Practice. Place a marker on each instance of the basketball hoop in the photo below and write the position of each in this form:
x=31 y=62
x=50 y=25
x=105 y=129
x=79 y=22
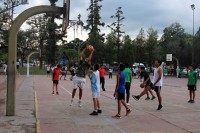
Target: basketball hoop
x=66 y=10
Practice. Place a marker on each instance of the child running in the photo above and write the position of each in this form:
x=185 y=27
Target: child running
x=147 y=83
x=95 y=87
x=120 y=92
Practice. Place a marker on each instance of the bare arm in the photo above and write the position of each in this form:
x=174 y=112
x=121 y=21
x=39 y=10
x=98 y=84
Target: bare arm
x=81 y=54
x=117 y=85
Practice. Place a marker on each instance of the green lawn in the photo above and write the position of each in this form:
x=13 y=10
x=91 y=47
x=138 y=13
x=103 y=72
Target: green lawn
x=32 y=71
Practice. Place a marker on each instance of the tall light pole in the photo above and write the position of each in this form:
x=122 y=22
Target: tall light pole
x=193 y=8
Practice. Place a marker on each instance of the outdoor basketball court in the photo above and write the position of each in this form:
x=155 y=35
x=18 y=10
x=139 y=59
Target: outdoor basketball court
x=55 y=115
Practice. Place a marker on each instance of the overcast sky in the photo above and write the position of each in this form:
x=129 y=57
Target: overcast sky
x=138 y=14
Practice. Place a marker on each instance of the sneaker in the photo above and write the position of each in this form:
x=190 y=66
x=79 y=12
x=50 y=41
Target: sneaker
x=71 y=102
x=189 y=101
x=53 y=92
x=136 y=97
x=94 y=113
x=79 y=103
x=116 y=116
x=128 y=111
x=99 y=111
x=153 y=97
x=128 y=104
x=147 y=98
x=57 y=93
x=159 y=107
x=192 y=101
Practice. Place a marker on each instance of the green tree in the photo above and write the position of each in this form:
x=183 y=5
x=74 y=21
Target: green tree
x=151 y=43
x=110 y=48
x=140 y=42
x=116 y=28
x=93 y=26
x=128 y=50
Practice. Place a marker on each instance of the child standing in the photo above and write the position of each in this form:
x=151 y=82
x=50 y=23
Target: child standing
x=192 y=81
x=55 y=78
x=95 y=87
x=120 y=92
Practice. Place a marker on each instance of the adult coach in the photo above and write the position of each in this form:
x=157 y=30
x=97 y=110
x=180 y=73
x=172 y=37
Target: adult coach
x=158 y=81
x=79 y=79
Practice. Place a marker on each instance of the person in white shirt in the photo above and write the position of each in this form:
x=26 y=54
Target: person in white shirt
x=110 y=73
x=158 y=81
x=5 y=68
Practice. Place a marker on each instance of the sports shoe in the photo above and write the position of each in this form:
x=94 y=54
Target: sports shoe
x=52 y=92
x=147 y=98
x=192 y=101
x=153 y=97
x=128 y=111
x=189 y=101
x=71 y=102
x=136 y=97
x=128 y=104
x=159 y=107
x=116 y=116
x=94 y=113
x=57 y=93
x=79 y=103
x=99 y=111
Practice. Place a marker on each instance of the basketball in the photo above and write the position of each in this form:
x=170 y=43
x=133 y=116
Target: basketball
x=90 y=48
x=141 y=85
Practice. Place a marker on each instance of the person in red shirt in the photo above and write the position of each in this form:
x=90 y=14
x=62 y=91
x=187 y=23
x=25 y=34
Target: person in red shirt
x=102 y=73
x=55 y=78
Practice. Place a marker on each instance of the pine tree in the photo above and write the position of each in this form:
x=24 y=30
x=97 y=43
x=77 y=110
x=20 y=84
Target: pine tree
x=93 y=26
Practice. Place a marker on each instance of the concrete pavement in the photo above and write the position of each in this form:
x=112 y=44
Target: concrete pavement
x=24 y=119
x=55 y=115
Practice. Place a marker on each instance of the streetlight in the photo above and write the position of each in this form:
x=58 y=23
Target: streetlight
x=193 y=7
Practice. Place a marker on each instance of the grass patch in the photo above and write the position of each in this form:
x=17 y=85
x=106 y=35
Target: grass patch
x=32 y=71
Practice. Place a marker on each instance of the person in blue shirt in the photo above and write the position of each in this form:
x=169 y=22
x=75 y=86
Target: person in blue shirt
x=95 y=88
x=119 y=93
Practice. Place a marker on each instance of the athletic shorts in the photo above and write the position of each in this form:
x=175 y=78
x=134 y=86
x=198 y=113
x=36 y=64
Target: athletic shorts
x=120 y=96
x=191 y=88
x=55 y=81
x=157 y=89
x=48 y=72
x=95 y=94
x=150 y=85
x=79 y=82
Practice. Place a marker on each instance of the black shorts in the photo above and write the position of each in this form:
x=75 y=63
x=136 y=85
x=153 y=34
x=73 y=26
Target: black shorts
x=191 y=88
x=48 y=72
x=55 y=81
x=150 y=85
x=157 y=89
x=134 y=74
x=120 y=96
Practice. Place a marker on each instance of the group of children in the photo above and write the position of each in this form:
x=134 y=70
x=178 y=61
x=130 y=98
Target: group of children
x=122 y=85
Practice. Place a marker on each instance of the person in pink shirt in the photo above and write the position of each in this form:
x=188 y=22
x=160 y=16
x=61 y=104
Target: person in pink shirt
x=102 y=73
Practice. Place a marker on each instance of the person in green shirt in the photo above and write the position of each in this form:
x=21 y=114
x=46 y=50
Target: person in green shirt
x=165 y=70
x=128 y=79
x=192 y=81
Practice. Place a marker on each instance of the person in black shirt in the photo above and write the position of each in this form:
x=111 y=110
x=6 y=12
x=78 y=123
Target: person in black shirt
x=147 y=85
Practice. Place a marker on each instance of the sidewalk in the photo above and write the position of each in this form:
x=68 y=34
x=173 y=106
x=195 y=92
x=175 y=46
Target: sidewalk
x=24 y=120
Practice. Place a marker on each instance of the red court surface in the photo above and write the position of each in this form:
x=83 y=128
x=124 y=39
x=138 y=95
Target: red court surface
x=55 y=115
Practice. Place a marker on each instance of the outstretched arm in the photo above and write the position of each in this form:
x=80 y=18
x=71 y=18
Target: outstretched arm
x=81 y=54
